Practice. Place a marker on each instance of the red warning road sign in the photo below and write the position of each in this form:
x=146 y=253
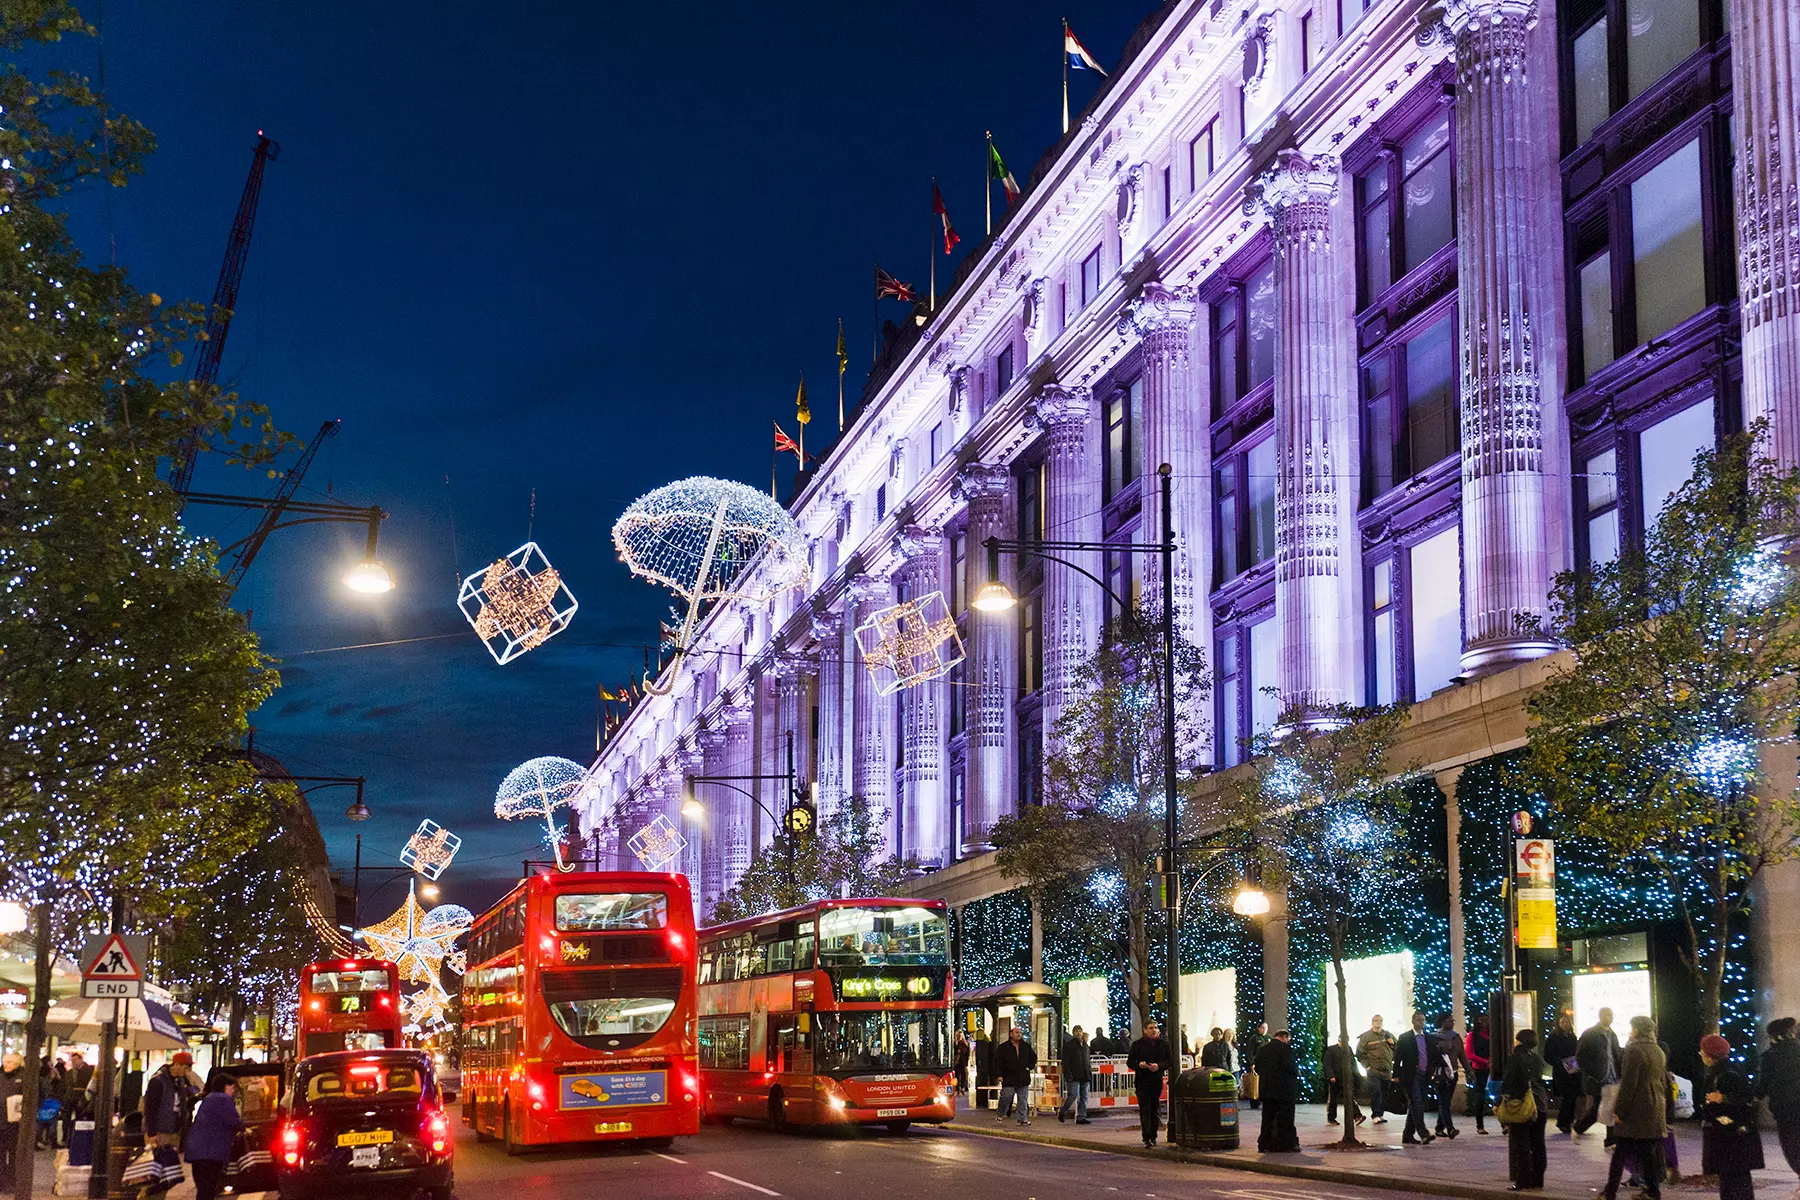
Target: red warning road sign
x=114 y=962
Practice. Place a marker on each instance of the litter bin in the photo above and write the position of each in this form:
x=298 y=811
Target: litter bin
x=81 y=1144
x=1209 y=1116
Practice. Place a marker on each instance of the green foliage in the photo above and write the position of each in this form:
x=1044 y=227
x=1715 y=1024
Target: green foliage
x=846 y=855
x=1649 y=740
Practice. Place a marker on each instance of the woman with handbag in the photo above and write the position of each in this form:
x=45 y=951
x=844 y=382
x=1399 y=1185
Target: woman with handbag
x=1730 y=1146
x=1524 y=1107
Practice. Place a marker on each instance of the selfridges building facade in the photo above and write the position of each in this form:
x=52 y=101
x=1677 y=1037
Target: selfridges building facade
x=1421 y=305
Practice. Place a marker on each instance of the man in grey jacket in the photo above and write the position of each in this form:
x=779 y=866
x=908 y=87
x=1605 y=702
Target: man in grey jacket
x=1375 y=1051
x=1077 y=1074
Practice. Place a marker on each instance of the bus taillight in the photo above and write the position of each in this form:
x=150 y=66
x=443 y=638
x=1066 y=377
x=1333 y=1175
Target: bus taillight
x=677 y=943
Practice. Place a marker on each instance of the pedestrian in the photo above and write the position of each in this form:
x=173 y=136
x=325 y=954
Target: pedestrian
x=1077 y=1075
x=1234 y=1058
x=1524 y=1108
x=1216 y=1053
x=1280 y=1092
x=52 y=1095
x=1778 y=1082
x=1340 y=1082
x=1250 y=1047
x=1375 y=1051
x=1412 y=1072
x=1448 y=1062
x=1597 y=1057
x=1640 y=1111
x=12 y=1112
x=1099 y=1045
x=1730 y=1146
x=1187 y=1047
x=166 y=1099
x=76 y=1102
x=962 y=1063
x=1478 y=1049
x=216 y=1123
x=1148 y=1059
x=1014 y=1060
x=1565 y=1072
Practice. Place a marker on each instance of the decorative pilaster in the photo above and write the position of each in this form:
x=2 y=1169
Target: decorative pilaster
x=714 y=825
x=990 y=673
x=734 y=808
x=828 y=629
x=1072 y=608
x=788 y=691
x=924 y=825
x=1506 y=302
x=690 y=760
x=874 y=762
x=1315 y=419
x=1765 y=80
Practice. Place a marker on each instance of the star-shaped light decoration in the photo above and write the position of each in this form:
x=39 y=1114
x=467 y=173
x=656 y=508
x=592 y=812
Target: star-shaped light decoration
x=657 y=844
x=517 y=603
x=419 y=942
x=431 y=849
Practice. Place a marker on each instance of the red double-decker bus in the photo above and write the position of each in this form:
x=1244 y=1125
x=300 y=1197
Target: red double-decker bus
x=837 y=1012
x=348 y=1004
x=578 y=1012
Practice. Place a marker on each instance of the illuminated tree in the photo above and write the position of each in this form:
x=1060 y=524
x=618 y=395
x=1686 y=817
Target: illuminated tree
x=847 y=854
x=1650 y=738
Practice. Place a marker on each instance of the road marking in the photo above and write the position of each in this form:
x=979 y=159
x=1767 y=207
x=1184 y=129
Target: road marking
x=670 y=1157
x=755 y=1187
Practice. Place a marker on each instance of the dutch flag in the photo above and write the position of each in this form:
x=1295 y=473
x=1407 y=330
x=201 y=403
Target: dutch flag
x=1079 y=58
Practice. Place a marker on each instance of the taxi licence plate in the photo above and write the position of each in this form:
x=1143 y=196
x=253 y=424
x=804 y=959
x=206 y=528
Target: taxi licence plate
x=367 y=1137
x=890 y=1112
x=613 y=1127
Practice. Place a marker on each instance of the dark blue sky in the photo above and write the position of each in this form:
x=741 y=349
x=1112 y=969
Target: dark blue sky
x=579 y=248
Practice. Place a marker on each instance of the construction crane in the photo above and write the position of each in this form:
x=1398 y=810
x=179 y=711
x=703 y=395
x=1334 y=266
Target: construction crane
x=271 y=517
x=218 y=319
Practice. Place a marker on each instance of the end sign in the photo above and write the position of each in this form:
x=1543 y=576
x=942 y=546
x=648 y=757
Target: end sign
x=112 y=966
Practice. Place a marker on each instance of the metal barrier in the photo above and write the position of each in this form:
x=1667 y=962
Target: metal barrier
x=1114 y=1086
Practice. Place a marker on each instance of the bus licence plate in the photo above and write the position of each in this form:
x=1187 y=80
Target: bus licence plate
x=367 y=1137
x=613 y=1127
x=890 y=1112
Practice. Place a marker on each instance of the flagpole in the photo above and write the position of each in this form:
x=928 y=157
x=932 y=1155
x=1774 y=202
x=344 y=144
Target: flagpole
x=1065 y=66
x=931 y=247
x=987 y=181
x=875 y=317
x=841 y=375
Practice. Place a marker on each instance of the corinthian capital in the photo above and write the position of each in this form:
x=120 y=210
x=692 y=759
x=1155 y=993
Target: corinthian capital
x=1057 y=405
x=1157 y=309
x=979 y=480
x=918 y=541
x=1297 y=194
x=1460 y=15
x=1489 y=36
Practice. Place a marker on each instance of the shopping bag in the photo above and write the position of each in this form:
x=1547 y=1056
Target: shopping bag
x=1684 y=1097
x=1609 y=1099
x=1252 y=1085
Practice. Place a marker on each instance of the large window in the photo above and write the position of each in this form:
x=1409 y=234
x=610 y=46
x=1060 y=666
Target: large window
x=1230 y=704
x=1410 y=405
x=1617 y=50
x=1201 y=152
x=894 y=1039
x=1243 y=334
x=1003 y=369
x=1406 y=206
x=1626 y=484
x=1413 y=622
x=591 y=912
x=1248 y=666
x=1124 y=417
x=893 y=936
x=1244 y=492
x=1031 y=503
x=1265 y=676
x=1090 y=277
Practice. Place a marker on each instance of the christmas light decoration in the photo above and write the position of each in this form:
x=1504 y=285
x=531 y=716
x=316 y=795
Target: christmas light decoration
x=1107 y=887
x=709 y=540
x=431 y=849
x=538 y=788
x=1119 y=800
x=426 y=1009
x=1723 y=763
x=657 y=844
x=517 y=603
x=909 y=643
x=421 y=942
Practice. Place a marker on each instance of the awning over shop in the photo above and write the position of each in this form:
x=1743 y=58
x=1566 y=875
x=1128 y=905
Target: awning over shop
x=148 y=1024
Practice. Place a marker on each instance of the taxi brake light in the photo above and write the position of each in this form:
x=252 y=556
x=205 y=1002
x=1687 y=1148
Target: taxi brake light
x=365 y=1070
x=439 y=1129
x=290 y=1144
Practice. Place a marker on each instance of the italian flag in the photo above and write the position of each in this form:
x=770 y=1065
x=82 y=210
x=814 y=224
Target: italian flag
x=997 y=170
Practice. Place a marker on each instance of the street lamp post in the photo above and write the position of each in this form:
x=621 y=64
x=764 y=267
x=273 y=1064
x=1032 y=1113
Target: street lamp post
x=995 y=597
x=691 y=807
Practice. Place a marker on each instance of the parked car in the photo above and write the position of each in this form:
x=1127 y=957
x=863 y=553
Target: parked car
x=364 y=1121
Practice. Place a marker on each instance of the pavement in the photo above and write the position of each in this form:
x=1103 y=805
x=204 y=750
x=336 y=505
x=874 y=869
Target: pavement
x=1470 y=1165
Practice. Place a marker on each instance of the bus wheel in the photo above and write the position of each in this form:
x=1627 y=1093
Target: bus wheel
x=513 y=1148
x=657 y=1143
x=899 y=1126
x=472 y=1118
x=778 y=1112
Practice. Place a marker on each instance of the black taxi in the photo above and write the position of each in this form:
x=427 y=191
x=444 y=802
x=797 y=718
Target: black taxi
x=365 y=1121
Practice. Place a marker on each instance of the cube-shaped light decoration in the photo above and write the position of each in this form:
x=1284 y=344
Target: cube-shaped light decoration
x=517 y=603
x=909 y=644
x=430 y=849
x=657 y=844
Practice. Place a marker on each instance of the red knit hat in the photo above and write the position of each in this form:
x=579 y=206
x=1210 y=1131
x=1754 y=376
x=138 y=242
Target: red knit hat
x=1715 y=1047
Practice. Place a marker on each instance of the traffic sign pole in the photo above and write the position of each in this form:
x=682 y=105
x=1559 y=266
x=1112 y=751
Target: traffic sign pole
x=105 y=1088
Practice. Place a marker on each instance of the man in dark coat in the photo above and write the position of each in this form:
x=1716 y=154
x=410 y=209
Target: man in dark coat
x=1730 y=1147
x=1280 y=1092
x=1216 y=1052
x=1565 y=1078
x=1148 y=1059
x=1077 y=1074
x=1014 y=1060
x=1597 y=1054
x=1641 y=1111
x=1248 y=1046
x=1448 y=1060
x=1778 y=1082
x=1412 y=1071
x=1340 y=1082
x=12 y=1096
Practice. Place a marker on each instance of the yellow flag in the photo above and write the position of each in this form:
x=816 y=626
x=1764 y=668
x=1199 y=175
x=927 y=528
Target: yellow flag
x=843 y=350
x=803 y=413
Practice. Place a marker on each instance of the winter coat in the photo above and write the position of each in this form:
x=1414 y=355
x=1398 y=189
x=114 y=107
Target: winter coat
x=1013 y=1064
x=1216 y=1053
x=1597 y=1053
x=1778 y=1081
x=1077 y=1067
x=1248 y=1045
x=1278 y=1079
x=1729 y=1143
x=216 y=1122
x=1559 y=1046
x=1406 y=1057
x=1524 y=1072
x=165 y=1102
x=1479 y=1049
x=1375 y=1051
x=1447 y=1056
x=1643 y=1104
x=962 y=1057
x=12 y=1083
x=1149 y=1058
x=1339 y=1062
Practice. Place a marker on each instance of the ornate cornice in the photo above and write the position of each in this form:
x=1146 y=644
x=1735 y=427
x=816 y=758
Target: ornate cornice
x=1058 y=405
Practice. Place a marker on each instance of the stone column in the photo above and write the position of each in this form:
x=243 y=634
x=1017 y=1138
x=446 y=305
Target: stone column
x=1506 y=312
x=1315 y=440
x=1275 y=963
x=990 y=672
x=1176 y=431
x=828 y=628
x=715 y=824
x=788 y=693
x=734 y=808
x=691 y=759
x=1459 y=971
x=924 y=823
x=873 y=765
x=1765 y=96
x=1072 y=607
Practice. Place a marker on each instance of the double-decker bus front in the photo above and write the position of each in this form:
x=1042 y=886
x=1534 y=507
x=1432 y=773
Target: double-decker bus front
x=579 y=1018
x=348 y=1004
x=836 y=1013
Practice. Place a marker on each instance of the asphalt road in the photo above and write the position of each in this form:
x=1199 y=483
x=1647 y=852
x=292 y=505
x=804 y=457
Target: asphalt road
x=749 y=1162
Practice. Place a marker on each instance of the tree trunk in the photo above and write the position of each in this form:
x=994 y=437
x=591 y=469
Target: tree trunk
x=234 y=1037
x=1346 y=1063
x=1140 y=967
x=25 y=1157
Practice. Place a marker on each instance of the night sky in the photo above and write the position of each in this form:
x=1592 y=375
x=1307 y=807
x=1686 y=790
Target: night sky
x=583 y=249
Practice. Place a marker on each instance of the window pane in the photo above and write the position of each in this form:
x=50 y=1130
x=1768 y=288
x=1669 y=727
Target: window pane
x=1226 y=549
x=1668 y=243
x=1265 y=650
x=1378 y=271
x=1602 y=480
x=1115 y=443
x=1436 y=600
x=1596 y=313
x=1381 y=595
x=1666 y=455
x=1200 y=158
x=1431 y=412
x=1592 y=81
x=1384 y=658
x=1225 y=372
x=1603 y=537
x=1379 y=438
x=1230 y=730
x=1134 y=433
x=1660 y=34
x=1259 y=295
x=1260 y=463
x=1427 y=191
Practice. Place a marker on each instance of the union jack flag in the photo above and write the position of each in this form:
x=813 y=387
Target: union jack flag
x=785 y=444
x=887 y=285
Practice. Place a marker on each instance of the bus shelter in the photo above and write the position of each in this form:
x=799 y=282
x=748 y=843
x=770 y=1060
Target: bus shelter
x=986 y=1014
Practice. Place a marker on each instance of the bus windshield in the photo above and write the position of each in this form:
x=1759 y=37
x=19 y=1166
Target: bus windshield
x=369 y=979
x=610 y=1009
x=913 y=936
x=912 y=1039
x=589 y=912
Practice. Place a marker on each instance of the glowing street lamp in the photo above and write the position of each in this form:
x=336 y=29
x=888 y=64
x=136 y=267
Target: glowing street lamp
x=1250 y=901
x=13 y=917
